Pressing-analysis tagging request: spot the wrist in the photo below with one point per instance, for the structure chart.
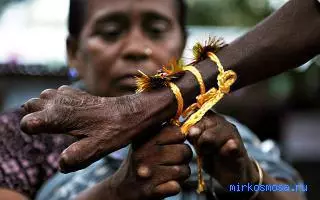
(157, 106)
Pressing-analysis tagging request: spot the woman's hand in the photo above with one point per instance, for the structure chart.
(102, 125)
(155, 166)
(224, 155)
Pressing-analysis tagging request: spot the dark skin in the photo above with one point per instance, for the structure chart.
(272, 47)
(61, 110)
(155, 168)
(157, 165)
(226, 159)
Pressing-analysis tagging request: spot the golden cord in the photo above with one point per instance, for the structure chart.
(198, 76)
(176, 91)
(213, 96)
(204, 102)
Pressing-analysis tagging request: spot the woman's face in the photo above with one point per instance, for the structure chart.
(122, 37)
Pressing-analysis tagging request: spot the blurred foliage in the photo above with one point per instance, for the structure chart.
(217, 12)
(227, 12)
(3, 3)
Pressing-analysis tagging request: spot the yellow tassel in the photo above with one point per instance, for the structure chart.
(174, 66)
(213, 44)
(143, 82)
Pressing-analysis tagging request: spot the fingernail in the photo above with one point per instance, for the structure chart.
(62, 165)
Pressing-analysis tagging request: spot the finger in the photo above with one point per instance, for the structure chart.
(80, 155)
(194, 134)
(196, 130)
(169, 135)
(231, 149)
(34, 105)
(164, 174)
(176, 154)
(34, 123)
(167, 189)
(213, 139)
(67, 90)
(48, 94)
(210, 141)
(45, 121)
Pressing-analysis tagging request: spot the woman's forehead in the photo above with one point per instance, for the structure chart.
(103, 7)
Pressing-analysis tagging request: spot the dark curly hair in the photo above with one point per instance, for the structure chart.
(77, 15)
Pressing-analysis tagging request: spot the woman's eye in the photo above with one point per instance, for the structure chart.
(110, 32)
(157, 29)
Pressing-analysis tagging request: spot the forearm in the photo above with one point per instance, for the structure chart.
(285, 40)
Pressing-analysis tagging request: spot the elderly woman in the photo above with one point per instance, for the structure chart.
(108, 42)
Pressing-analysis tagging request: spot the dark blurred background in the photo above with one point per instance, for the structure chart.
(285, 108)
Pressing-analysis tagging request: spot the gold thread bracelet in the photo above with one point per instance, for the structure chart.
(205, 102)
(198, 76)
(260, 178)
(177, 93)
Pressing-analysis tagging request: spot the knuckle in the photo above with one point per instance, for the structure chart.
(33, 105)
(143, 171)
(176, 169)
(63, 87)
(47, 93)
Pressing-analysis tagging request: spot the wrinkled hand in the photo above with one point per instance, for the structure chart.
(155, 167)
(224, 155)
(102, 125)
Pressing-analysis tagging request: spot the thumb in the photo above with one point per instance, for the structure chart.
(80, 155)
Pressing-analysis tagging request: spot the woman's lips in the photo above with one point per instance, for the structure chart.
(127, 82)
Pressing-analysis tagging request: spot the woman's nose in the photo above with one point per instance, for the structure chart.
(137, 48)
